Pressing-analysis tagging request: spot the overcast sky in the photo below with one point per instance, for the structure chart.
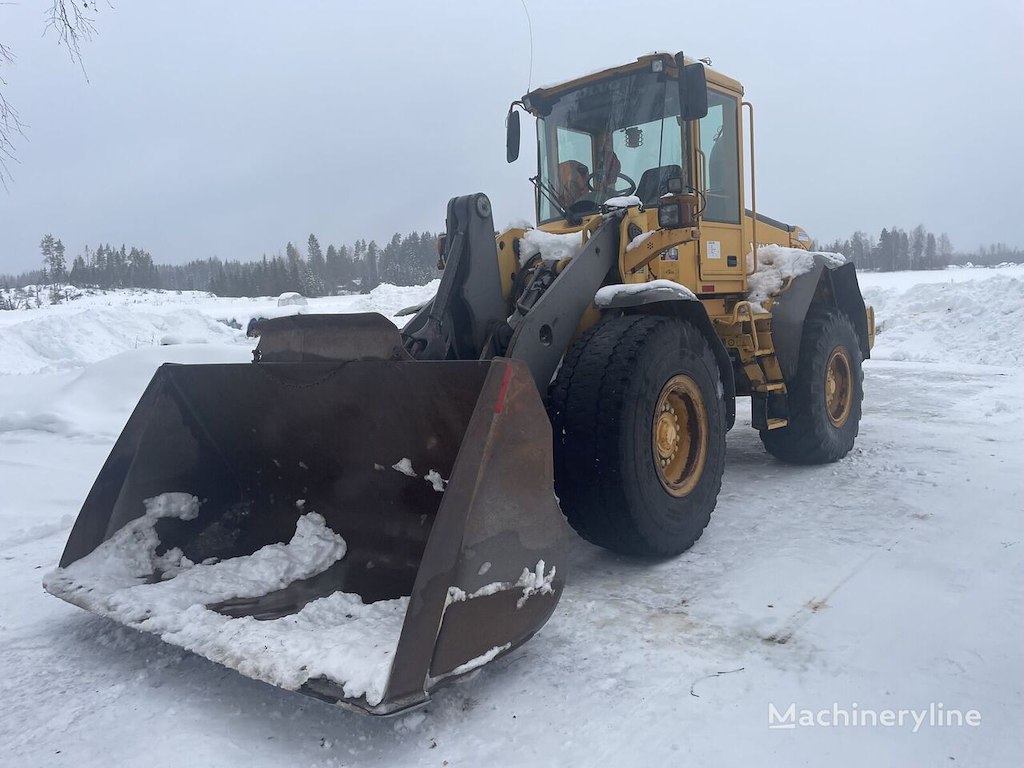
(228, 129)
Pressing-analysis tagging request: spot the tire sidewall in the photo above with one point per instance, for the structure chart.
(674, 348)
(836, 334)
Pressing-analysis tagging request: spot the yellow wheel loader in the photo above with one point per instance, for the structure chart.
(363, 514)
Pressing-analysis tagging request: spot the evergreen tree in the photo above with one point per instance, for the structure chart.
(945, 251)
(47, 246)
(317, 265)
(917, 242)
(347, 273)
(930, 252)
(331, 268)
(58, 266)
(371, 275)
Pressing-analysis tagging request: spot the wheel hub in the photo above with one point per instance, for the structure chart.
(838, 387)
(679, 435)
(667, 435)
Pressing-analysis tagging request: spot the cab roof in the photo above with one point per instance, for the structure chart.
(550, 93)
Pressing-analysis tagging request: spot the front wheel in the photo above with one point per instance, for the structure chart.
(639, 431)
(824, 396)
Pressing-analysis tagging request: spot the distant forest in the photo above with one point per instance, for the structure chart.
(406, 260)
(896, 249)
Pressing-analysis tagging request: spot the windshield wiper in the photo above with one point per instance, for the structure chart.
(572, 219)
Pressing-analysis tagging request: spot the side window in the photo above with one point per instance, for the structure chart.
(575, 145)
(575, 163)
(719, 143)
(565, 170)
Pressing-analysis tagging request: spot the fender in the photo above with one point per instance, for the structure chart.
(664, 297)
(835, 286)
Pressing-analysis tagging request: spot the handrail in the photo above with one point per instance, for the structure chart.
(703, 180)
(753, 190)
(736, 319)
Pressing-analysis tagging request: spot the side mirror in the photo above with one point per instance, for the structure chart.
(693, 89)
(512, 135)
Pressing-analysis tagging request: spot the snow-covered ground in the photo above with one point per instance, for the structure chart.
(891, 580)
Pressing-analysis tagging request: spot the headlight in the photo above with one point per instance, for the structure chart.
(670, 215)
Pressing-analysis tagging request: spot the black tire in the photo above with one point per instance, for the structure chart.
(602, 407)
(812, 436)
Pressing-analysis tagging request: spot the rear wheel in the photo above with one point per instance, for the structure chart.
(639, 427)
(825, 396)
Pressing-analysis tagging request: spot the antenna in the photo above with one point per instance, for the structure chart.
(529, 24)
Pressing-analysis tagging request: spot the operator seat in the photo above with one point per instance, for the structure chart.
(654, 183)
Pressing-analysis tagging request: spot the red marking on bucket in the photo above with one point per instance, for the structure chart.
(504, 390)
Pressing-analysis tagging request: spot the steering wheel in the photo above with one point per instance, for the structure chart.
(600, 178)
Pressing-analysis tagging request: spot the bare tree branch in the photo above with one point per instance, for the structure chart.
(73, 23)
(10, 123)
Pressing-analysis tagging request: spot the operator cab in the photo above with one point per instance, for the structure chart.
(612, 138)
(646, 129)
(619, 133)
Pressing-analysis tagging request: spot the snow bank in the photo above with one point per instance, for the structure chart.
(551, 246)
(776, 264)
(100, 324)
(978, 321)
(100, 399)
(337, 636)
(49, 341)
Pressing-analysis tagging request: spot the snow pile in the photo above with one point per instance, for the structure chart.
(99, 324)
(606, 295)
(292, 299)
(979, 321)
(776, 264)
(552, 246)
(337, 636)
(47, 341)
(99, 400)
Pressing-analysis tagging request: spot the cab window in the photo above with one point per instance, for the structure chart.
(719, 142)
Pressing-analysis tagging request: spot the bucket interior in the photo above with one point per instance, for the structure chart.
(262, 444)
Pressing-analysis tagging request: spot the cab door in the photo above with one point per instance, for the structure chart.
(721, 253)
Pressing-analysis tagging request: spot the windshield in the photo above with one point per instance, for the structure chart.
(616, 137)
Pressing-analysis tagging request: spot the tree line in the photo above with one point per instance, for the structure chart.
(406, 260)
(896, 249)
(409, 259)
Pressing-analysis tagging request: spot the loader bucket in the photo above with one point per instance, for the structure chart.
(218, 519)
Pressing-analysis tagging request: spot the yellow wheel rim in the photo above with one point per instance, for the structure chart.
(679, 435)
(838, 387)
